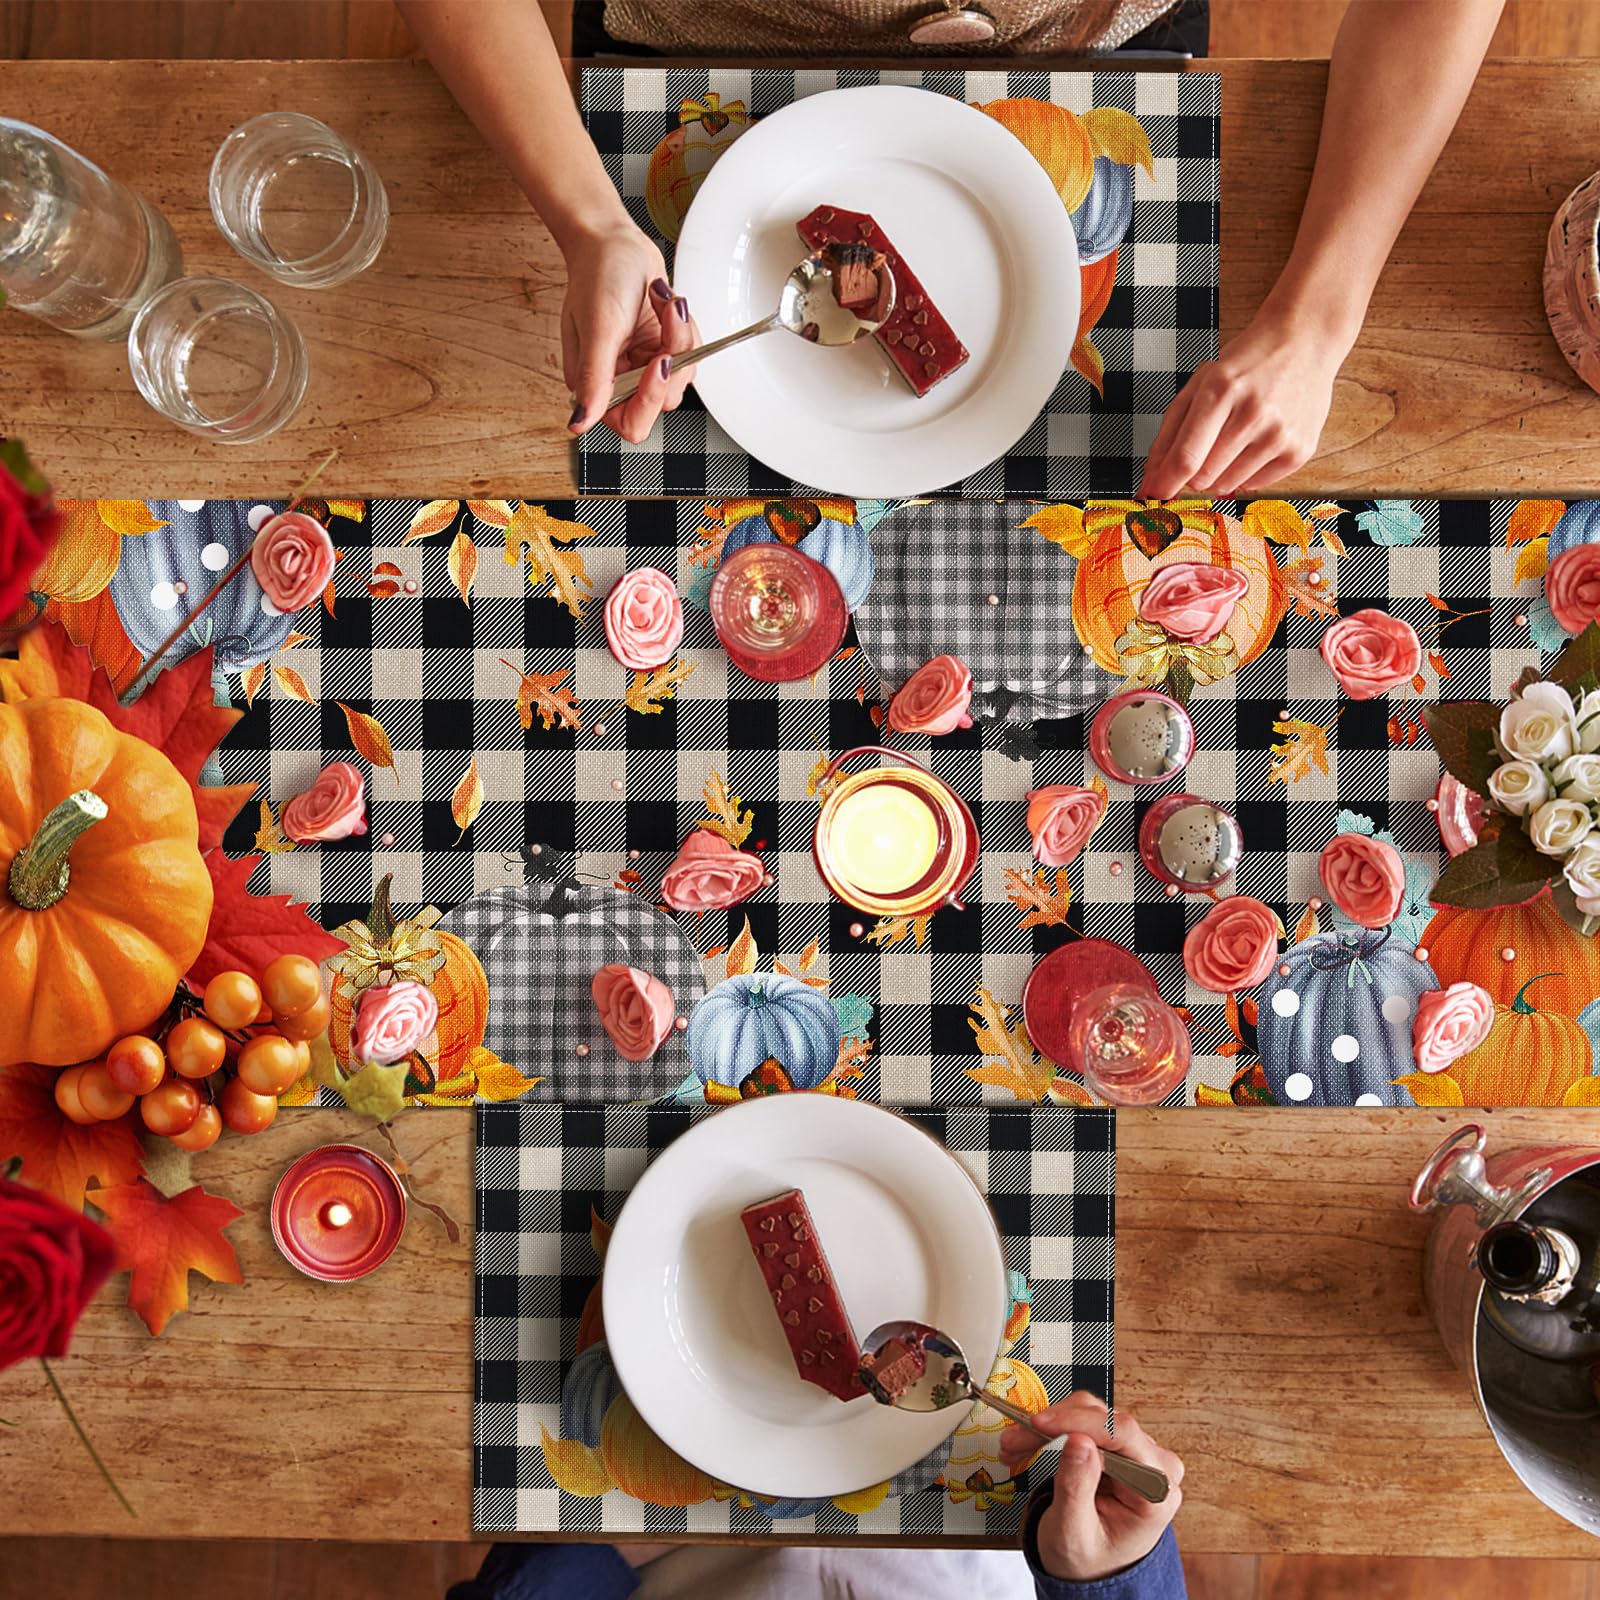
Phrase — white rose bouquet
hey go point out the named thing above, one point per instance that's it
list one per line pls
(1537, 765)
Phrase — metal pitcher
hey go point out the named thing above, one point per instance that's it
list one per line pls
(1511, 1277)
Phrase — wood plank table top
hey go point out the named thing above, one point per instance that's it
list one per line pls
(1269, 1326)
(438, 371)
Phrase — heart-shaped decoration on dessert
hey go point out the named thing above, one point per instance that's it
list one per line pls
(1153, 529)
(791, 520)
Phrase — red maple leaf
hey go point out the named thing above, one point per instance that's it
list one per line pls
(57, 1155)
(161, 1240)
(249, 930)
(95, 626)
(177, 713)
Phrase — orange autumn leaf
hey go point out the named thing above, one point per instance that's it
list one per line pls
(1099, 279)
(251, 680)
(463, 564)
(1045, 903)
(434, 517)
(649, 691)
(467, 800)
(160, 1241)
(94, 625)
(367, 735)
(742, 953)
(292, 683)
(57, 1155)
(543, 691)
(1532, 519)
(534, 536)
(1305, 927)
(386, 569)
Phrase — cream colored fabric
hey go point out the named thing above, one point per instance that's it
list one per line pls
(871, 27)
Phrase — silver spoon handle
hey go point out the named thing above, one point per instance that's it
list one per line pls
(628, 382)
(1151, 1482)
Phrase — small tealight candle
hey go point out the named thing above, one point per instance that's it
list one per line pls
(338, 1212)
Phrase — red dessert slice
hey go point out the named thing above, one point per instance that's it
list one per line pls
(898, 1366)
(804, 1295)
(916, 338)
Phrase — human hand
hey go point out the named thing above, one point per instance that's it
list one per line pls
(1248, 418)
(620, 314)
(1094, 1525)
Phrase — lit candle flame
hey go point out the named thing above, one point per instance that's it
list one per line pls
(338, 1215)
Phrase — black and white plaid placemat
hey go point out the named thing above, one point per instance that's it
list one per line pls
(434, 672)
(1160, 323)
(547, 1172)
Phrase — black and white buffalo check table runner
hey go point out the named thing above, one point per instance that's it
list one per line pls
(1158, 324)
(551, 1180)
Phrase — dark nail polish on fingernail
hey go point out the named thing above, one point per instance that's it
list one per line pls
(576, 417)
(661, 289)
(682, 306)
(666, 367)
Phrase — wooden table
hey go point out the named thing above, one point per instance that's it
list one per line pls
(1269, 1326)
(439, 370)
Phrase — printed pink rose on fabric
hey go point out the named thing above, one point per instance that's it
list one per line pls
(1572, 586)
(334, 807)
(1061, 817)
(1370, 653)
(934, 699)
(1233, 946)
(644, 618)
(292, 558)
(1192, 601)
(1364, 877)
(1449, 1023)
(708, 874)
(392, 1020)
(636, 1009)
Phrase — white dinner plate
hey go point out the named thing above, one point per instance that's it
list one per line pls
(979, 221)
(691, 1327)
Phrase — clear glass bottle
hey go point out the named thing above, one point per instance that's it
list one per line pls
(78, 250)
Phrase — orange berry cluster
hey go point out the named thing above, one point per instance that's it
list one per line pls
(181, 1083)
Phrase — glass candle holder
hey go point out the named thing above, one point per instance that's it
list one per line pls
(1190, 842)
(894, 841)
(217, 359)
(1130, 1045)
(297, 200)
(1141, 737)
(1060, 982)
(338, 1212)
(779, 614)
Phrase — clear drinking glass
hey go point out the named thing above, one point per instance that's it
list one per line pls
(1130, 1045)
(779, 614)
(218, 359)
(297, 200)
(78, 250)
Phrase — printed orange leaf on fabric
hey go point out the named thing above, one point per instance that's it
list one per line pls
(467, 800)
(1045, 901)
(269, 836)
(491, 513)
(1010, 1061)
(1056, 138)
(95, 626)
(1431, 1088)
(249, 930)
(292, 683)
(160, 1241)
(251, 679)
(742, 953)
(128, 517)
(1533, 519)
(434, 517)
(1119, 136)
(367, 735)
(532, 534)
(1304, 745)
(896, 930)
(1533, 560)
(1310, 599)
(649, 691)
(1277, 520)
(1062, 525)
(1305, 927)
(543, 691)
(463, 564)
(726, 814)
(57, 1155)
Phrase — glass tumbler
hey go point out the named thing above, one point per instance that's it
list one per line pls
(297, 200)
(1131, 1047)
(218, 359)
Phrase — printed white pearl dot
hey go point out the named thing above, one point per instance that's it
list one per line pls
(1433, 805)
(1368, 1100)
(992, 599)
(1397, 1008)
(633, 855)
(1283, 971)
(1422, 952)
(180, 587)
(1298, 1086)
(213, 556)
(616, 783)
(682, 1024)
(1508, 954)
(410, 586)
(1520, 620)
(856, 930)
(387, 841)
(191, 505)
(268, 607)
(1313, 578)
(163, 597)
(599, 730)
(535, 849)
(1345, 1048)
(1115, 869)
(258, 515)
(1285, 1003)
(582, 1050)
(1172, 889)
(1315, 903)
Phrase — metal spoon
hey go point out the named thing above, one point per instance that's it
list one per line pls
(809, 307)
(946, 1380)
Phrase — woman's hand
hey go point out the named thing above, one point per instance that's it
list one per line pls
(620, 313)
(1094, 1526)
(1248, 418)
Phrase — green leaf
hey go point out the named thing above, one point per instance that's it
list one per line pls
(1567, 904)
(1463, 733)
(376, 1090)
(14, 458)
(1580, 659)
(1502, 869)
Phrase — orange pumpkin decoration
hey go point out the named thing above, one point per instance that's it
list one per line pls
(106, 900)
(641, 1465)
(1466, 945)
(679, 164)
(1530, 1058)
(1116, 567)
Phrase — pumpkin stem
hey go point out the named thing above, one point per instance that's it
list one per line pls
(1521, 1005)
(380, 920)
(41, 869)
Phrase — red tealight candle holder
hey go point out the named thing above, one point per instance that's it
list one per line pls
(338, 1212)
(1063, 978)
(779, 614)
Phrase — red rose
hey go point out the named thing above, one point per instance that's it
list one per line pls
(52, 1261)
(29, 522)
(1572, 586)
